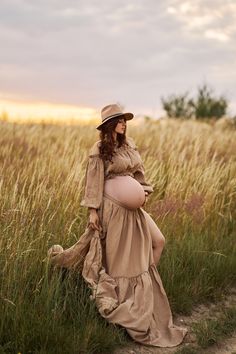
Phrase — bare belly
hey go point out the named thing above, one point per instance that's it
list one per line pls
(126, 190)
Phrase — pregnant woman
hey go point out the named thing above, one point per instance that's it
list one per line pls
(121, 246)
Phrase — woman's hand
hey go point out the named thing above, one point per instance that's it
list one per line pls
(146, 195)
(94, 221)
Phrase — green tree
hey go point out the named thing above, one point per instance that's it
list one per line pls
(204, 106)
(177, 106)
(208, 106)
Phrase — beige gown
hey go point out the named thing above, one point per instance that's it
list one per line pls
(117, 263)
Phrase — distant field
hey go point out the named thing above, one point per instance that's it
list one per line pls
(192, 167)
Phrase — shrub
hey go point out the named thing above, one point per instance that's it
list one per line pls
(205, 105)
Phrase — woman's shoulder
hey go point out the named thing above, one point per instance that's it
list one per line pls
(94, 150)
(131, 142)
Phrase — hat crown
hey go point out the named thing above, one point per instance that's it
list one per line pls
(111, 110)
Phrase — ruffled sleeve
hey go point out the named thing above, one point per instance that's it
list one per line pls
(139, 173)
(94, 180)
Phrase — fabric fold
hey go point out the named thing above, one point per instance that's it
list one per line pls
(126, 161)
(117, 264)
(94, 182)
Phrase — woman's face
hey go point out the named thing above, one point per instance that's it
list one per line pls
(120, 127)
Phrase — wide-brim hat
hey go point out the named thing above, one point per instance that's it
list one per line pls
(112, 111)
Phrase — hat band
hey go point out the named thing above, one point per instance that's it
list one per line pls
(113, 115)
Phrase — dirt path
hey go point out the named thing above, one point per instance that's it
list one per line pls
(201, 312)
(225, 347)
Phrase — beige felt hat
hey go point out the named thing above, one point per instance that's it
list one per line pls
(112, 111)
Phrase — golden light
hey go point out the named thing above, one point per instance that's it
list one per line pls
(26, 112)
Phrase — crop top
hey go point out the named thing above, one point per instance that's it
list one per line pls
(126, 161)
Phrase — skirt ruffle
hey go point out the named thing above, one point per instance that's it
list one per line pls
(118, 266)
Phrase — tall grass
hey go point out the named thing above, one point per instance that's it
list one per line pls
(192, 167)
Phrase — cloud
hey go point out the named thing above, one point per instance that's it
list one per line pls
(200, 17)
(93, 53)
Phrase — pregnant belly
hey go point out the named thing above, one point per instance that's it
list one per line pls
(126, 190)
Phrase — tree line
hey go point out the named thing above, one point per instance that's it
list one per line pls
(206, 105)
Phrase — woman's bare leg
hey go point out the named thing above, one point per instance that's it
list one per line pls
(158, 239)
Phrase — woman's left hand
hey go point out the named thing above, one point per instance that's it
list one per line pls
(146, 195)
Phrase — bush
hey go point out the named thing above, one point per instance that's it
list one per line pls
(204, 106)
(177, 106)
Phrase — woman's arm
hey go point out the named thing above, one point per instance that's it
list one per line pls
(139, 174)
(94, 180)
(94, 220)
(94, 184)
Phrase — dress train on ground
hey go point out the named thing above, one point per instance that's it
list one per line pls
(118, 266)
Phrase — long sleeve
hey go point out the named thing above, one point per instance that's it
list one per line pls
(94, 182)
(139, 174)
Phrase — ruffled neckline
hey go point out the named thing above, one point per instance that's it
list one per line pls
(122, 147)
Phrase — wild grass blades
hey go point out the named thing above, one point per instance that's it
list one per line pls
(211, 330)
(192, 167)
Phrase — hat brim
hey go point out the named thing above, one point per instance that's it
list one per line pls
(127, 116)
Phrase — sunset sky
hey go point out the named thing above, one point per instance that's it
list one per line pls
(78, 56)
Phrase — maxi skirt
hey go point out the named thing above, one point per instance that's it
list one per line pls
(118, 266)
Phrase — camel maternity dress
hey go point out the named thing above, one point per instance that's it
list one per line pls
(117, 263)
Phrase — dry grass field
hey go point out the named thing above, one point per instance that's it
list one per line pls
(192, 167)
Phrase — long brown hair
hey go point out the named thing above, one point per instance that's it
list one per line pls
(107, 141)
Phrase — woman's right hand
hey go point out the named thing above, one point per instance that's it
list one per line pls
(94, 221)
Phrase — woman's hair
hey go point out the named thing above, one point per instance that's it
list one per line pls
(107, 141)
